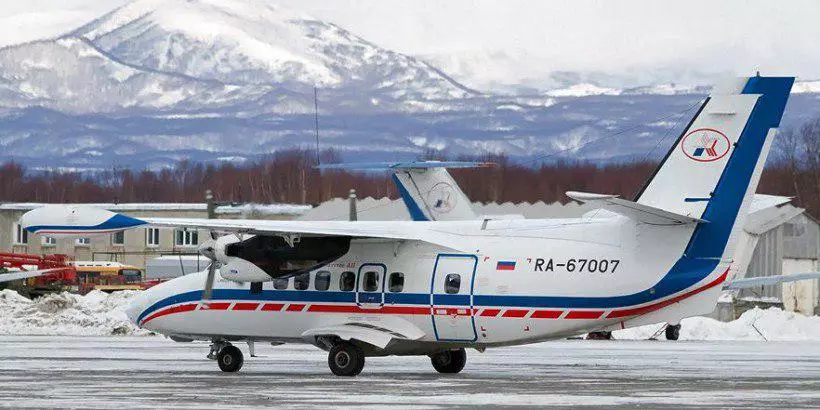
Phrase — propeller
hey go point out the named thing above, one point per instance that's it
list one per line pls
(208, 250)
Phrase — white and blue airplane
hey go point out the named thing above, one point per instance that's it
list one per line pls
(436, 288)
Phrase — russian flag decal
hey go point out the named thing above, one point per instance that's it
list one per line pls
(505, 265)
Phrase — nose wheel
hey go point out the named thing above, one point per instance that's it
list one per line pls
(228, 357)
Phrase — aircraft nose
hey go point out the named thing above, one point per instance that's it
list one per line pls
(138, 305)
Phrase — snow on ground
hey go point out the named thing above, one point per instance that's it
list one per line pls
(754, 324)
(95, 314)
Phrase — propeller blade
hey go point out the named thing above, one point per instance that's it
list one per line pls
(207, 292)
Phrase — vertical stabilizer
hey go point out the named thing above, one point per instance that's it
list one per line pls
(431, 194)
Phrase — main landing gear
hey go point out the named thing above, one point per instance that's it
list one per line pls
(227, 356)
(345, 359)
(449, 361)
(672, 332)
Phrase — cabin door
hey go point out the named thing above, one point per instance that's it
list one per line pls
(452, 297)
(370, 285)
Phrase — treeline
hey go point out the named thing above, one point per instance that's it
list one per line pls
(290, 177)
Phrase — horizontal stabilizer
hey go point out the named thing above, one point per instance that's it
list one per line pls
(769, 280)
(407, 165)
(633, 210)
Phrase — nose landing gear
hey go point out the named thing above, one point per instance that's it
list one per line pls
(227, 356)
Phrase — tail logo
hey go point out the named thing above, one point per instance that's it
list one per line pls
(442, 198)
(705, 145)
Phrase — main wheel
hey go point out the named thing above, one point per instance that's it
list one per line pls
(449, 361)
(672, 332)
(345, 359)
(230, 359)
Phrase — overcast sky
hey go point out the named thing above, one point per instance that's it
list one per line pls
(525, 38)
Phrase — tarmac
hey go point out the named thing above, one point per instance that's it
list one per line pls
(154, 372)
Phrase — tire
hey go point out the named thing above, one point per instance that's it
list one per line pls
(230, 359)
(672, 332)
(449, 361)
(345, 359)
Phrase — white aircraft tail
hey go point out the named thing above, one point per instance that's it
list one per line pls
(712, 170)
(427, 189)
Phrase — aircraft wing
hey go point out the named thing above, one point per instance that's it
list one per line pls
(8, 277)
(56, 220)
(769, 280)
(633, 210)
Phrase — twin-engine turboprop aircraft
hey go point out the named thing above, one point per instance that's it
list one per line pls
(359, 289)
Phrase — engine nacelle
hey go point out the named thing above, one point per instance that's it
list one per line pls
(240, 270)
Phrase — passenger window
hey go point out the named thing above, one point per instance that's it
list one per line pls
(452, 283)
(347, 281)
(280, 283)
(370, 282)
(301, 281)
(322, 280)
(396, 282)
(256, 288)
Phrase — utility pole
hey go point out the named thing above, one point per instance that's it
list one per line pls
(352, 201)
(211, 205)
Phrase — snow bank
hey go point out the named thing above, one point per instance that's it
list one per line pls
(95, 314)
(754, 324)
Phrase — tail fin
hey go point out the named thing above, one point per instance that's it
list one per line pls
(432, 195)
(712, 170)
(427, 189)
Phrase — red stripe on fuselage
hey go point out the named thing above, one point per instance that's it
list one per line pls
(245, 306)
(584, 314)
(174, 309)
(295, 307)
(273, 306)
(546, 314)
(646, 309)
(515, 313)
(214, 305)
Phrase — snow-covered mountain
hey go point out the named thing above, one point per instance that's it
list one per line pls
(208, 54)
(157, 81)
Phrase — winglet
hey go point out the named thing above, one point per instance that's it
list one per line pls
(633, 210)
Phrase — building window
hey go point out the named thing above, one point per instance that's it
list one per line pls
(347, 281)
(186, 238)
(85, 241)
(370, 283)
(118, 238)
(452, 283)
(48, 241)
(322, 280)
(280, 283)
(301, 281)
(396, 282)
(152, 237)
(20, 235)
